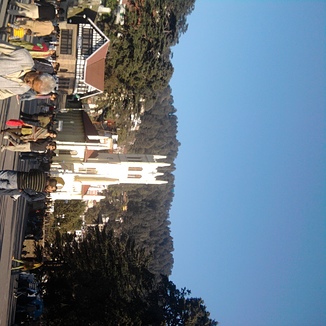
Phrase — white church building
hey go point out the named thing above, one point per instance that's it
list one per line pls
(86, 164)
(84, 158)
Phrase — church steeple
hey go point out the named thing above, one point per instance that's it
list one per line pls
(84, 161)
(107, 169)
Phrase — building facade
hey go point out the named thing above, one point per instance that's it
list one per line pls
(82, 52)
(84, 157)
(87, 165)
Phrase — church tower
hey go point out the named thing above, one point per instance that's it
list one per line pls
(86, 164)
(84, 180)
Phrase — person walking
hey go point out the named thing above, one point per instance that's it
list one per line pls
(42, 47)
(37, 28)
(46, 66)
(15, 32)
(36, 133)
(31, 95)
(39, 146)
(37, 51)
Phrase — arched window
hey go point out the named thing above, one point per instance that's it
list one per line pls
(135, 168)
(87, 170)
(134, 158)
(134, 176)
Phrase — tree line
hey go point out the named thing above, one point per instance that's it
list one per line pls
(104, 280)
(120, 276)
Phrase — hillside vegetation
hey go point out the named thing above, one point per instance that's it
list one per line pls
(139, 66)
(120, 276)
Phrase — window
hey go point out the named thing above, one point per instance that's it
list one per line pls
(66, 41)
(87, 39)
(134, 158)
(67, 152)
(135, 168)
(64, 83)
(134, 176)
(87, 170)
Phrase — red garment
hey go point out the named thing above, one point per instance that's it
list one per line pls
(40, 47)
(15, 123)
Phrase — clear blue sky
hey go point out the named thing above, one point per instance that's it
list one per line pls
(248, 216)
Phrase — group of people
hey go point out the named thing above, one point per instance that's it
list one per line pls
(28, 72)
(29, 69)
(32, 133)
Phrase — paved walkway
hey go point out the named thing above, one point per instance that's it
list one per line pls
(12, 214)
(12, 219)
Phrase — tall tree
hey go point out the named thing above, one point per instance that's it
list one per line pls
(104, 280)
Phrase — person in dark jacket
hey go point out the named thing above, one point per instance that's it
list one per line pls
(36, 10)
(45, 66)
(33, 185)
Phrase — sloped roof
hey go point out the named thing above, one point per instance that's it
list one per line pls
(90, 129)
(88, 154)
(95, 67)
(84, 189)
(95, 63)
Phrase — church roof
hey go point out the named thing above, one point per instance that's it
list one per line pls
(90, 78)
(84, 190)
(95, 67)
(88, 154)
(90, 130)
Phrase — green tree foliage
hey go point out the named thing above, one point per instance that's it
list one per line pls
(70, 208)
(147, 217)
(104, 280)
(67, 214)
(109, 279)
(92, 214)
(139, 62)
(158, 129)
(148, 207)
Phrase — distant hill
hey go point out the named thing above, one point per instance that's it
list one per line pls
(139, 66)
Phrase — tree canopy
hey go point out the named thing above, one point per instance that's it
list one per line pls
(120, 276)
(139, 59)
(147, 216)
(104, 280)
